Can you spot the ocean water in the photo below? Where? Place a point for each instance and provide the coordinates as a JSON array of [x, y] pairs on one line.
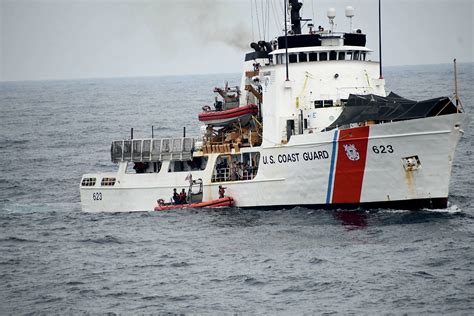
[[54, 259]]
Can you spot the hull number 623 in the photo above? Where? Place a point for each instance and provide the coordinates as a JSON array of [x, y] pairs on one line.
[[382, 149]]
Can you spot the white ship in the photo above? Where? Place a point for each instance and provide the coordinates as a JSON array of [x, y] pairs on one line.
[[311, 125]]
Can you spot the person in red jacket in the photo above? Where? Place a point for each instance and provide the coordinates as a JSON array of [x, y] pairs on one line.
[[182, 197], [221, 191]]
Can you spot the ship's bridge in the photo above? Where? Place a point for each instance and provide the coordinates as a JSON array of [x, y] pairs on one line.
[[320, 53]]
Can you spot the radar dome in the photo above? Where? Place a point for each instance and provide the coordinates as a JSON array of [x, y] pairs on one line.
[[349, 11], [331, 13]]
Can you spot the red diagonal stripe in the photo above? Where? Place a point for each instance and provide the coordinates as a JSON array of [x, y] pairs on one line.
[[349, 173]]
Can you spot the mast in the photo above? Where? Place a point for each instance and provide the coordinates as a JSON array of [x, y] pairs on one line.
[[295, 21], [295, 16], [380, 40], [459, 106], [456, 96], [286, 43]]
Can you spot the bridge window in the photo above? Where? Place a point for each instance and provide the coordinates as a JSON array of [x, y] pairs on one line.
[[278, 59], [292, 58], [356, 55], [315, 56], [302, 57]]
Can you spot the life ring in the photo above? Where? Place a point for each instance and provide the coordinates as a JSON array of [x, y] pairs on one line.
[[161, 202]]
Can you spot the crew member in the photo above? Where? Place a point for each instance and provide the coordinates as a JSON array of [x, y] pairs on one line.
[[175, 196], [140, 167], [182, 196], [234, 171], [221, 191]]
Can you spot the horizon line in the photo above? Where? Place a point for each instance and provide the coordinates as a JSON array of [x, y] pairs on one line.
[[186, 74]]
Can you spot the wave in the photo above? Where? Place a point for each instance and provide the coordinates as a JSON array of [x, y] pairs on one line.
[[10, 262], [153, 297], [423, 274], [122, 294], [16, 239], [253, 281], [108, 239], [11, 142], [75, 283], [181, 264], [183, 298], [316, 260]]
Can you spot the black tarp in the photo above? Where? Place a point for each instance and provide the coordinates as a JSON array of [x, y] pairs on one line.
[[354, 39], [370, 107]]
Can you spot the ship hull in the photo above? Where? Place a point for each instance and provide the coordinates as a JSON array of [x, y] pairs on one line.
[[419, 204], [402, 165]]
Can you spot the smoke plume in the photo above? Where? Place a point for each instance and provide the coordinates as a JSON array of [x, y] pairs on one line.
[[206, 22]]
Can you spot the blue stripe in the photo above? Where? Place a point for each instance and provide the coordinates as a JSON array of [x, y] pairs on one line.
[[331, 169]]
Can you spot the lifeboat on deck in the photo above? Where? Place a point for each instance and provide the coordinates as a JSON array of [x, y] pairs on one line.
[[225, 117], [222, 202]]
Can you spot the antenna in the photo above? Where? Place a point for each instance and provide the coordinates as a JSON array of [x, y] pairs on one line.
[[459, 106], [286, 43], [456, 96], [331, 16], [350, 15]]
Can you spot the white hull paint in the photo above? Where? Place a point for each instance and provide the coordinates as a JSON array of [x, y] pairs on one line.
[[305, 171]]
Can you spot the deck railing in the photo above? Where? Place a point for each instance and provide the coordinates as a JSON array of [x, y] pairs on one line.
[[234, 174], [152, 149]]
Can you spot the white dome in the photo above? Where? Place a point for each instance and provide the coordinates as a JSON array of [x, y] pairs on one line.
[[349, 11], [331, 13]]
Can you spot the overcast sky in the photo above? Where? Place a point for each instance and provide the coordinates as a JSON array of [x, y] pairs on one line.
[[56, 39]]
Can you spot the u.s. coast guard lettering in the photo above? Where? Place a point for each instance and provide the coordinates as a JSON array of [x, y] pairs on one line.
[[295, 157]]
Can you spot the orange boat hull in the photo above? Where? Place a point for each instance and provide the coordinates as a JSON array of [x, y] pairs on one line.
[[223, 202], [227, 116]]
